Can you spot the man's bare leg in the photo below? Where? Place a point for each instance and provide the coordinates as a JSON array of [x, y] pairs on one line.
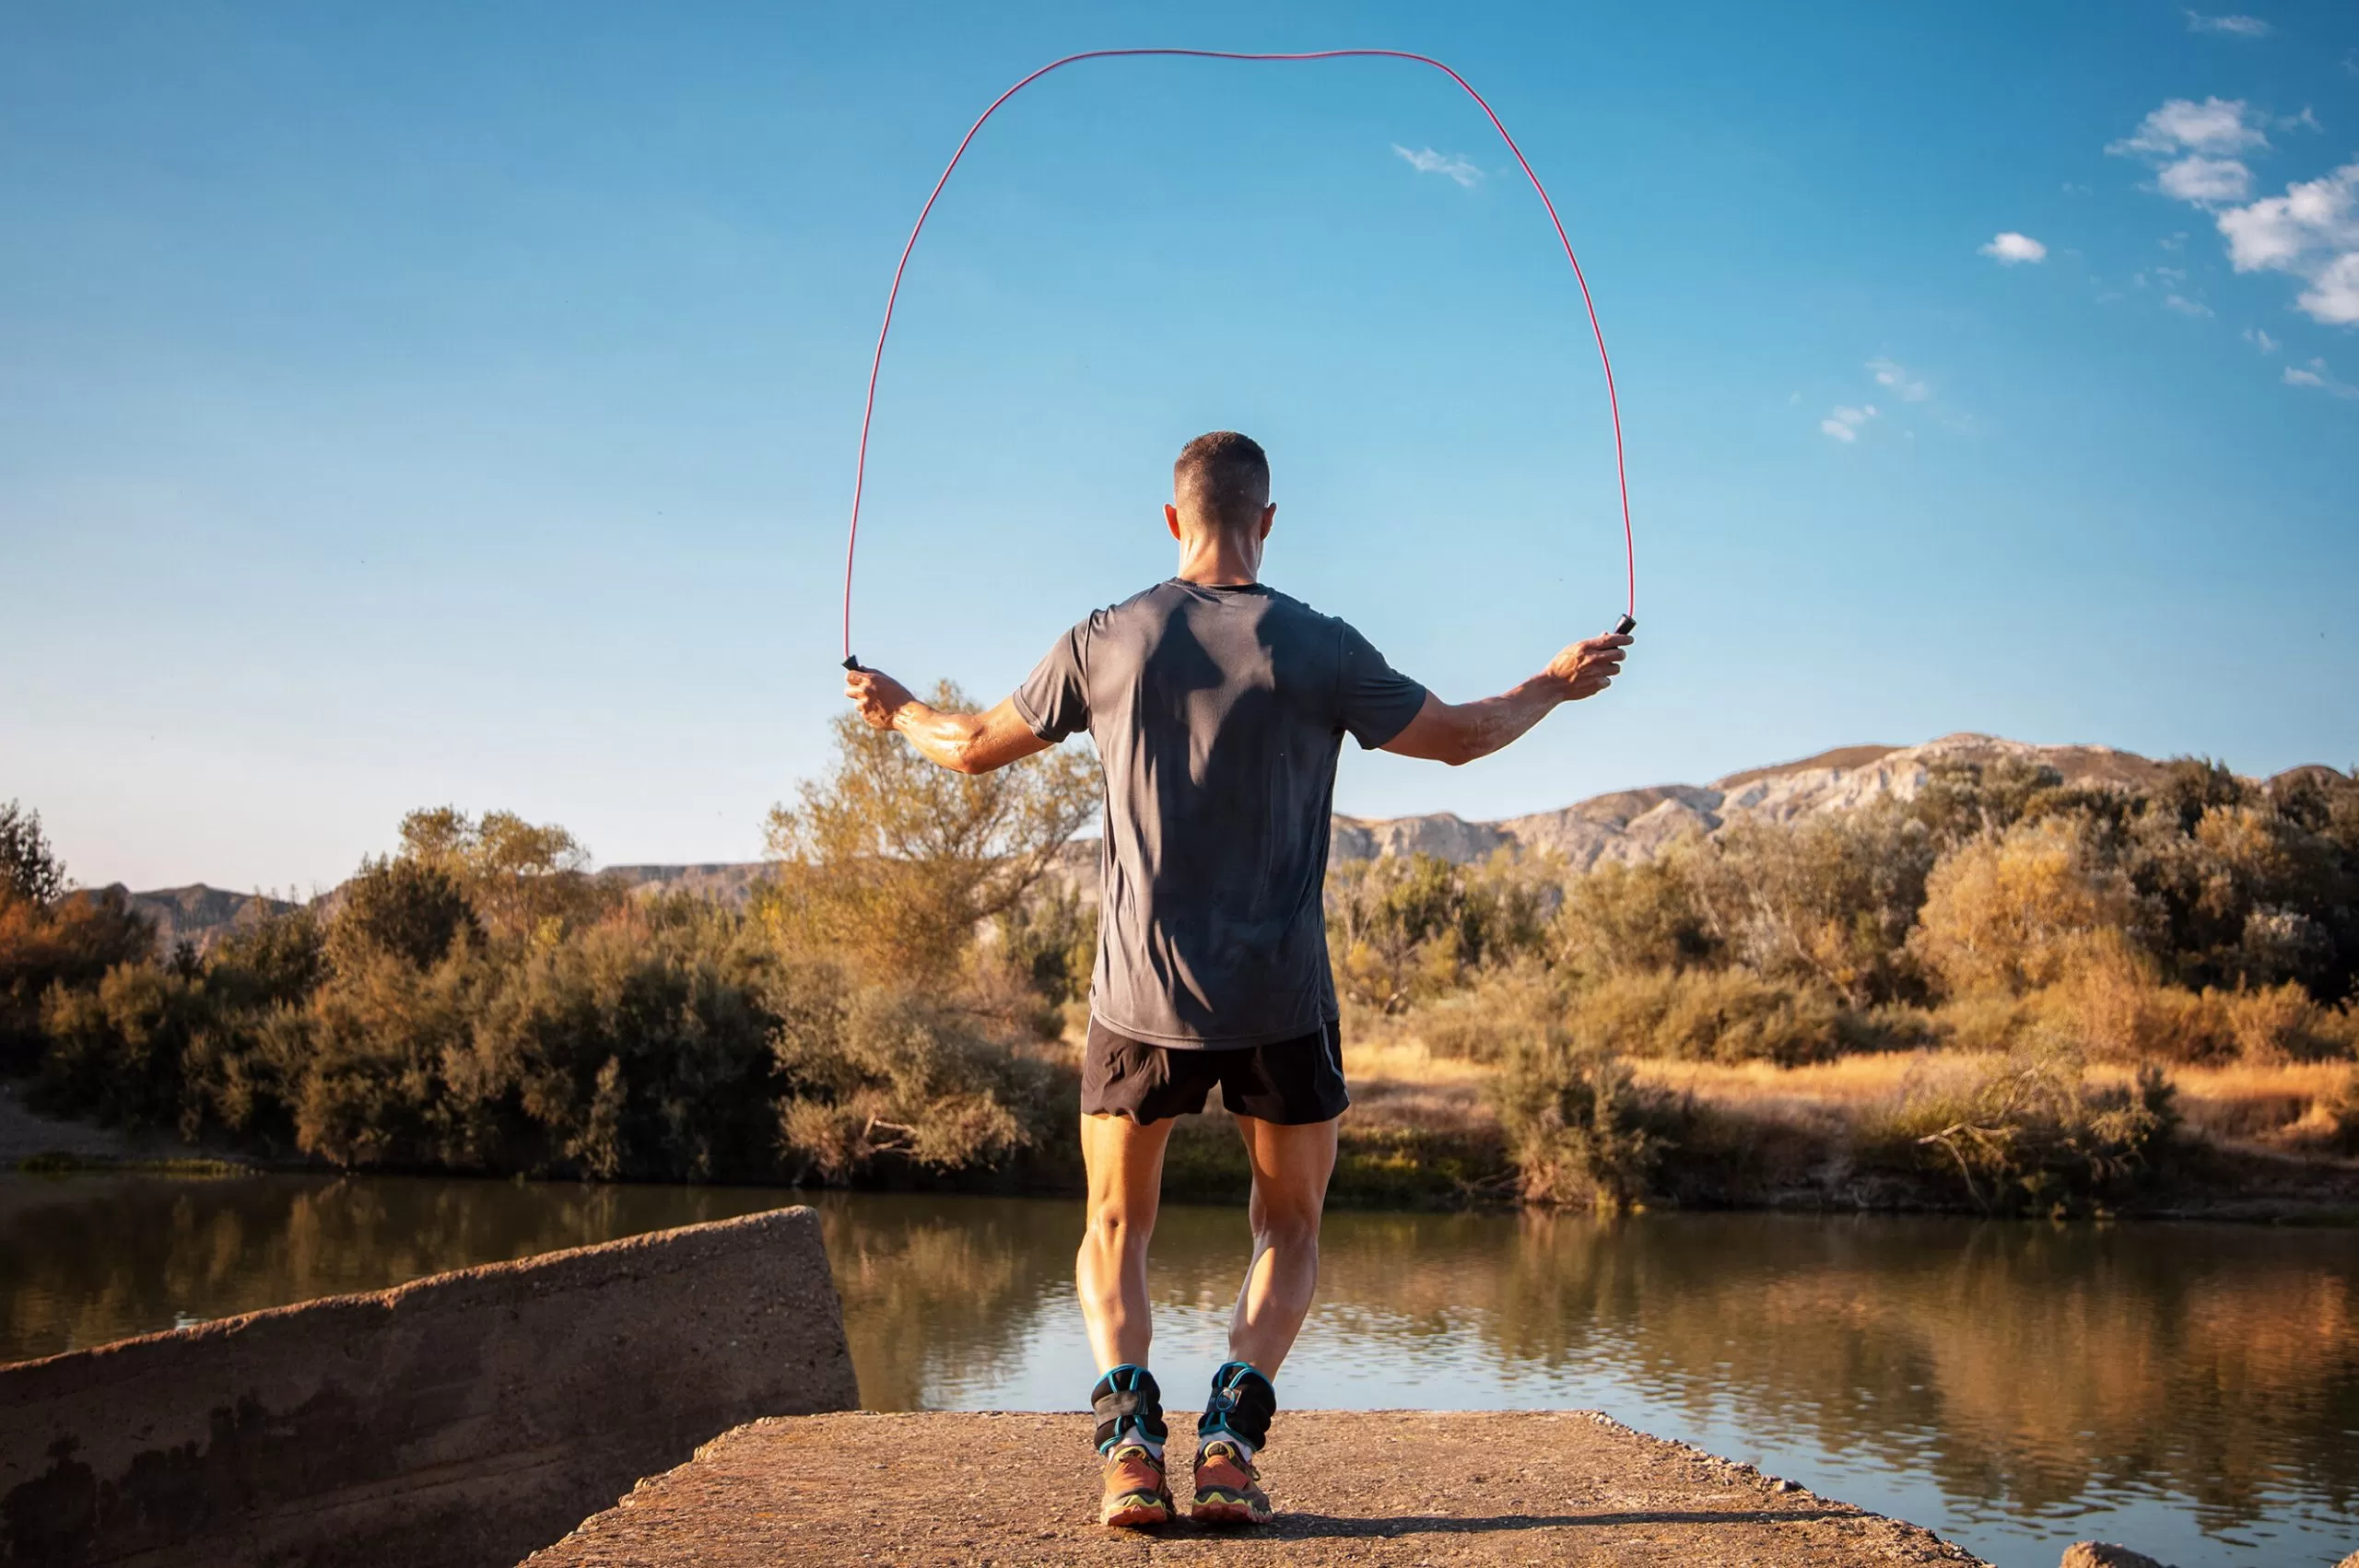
[[1291, 1165], [1125, 1162]]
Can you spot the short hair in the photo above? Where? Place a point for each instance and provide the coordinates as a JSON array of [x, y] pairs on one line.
[[1223, 478]]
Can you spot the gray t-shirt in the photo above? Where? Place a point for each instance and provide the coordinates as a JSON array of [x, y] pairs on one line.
[[1219, 714]]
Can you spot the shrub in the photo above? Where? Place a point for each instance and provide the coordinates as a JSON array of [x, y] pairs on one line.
[[372, 1090], [1050, 941], [405, 909], [70, 944], [1727, 1015], [1828, 900], [1619, 920], [2342, 1111], [116, 1053], [639, 1049], [2028, 1132], [1581, 1130], [874, 1075], [1478, 1024], [2011, 914]]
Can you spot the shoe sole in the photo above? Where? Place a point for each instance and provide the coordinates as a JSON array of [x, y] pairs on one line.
[[1134, 1512], [1219, 1508]]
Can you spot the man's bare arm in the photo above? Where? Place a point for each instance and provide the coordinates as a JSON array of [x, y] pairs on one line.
[[1458, 732], [962, 743]]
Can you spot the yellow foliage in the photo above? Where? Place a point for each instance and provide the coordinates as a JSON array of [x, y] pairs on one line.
[[2012, 914]]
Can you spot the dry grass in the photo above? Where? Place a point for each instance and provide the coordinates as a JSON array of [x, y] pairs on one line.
[[1396, 1080]]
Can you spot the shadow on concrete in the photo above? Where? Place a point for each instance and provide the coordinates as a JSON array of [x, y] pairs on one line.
[[1319, 1527]]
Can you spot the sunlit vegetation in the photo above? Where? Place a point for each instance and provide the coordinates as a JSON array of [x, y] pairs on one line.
[[477, 1000], [2046, 956], [2006, 994]]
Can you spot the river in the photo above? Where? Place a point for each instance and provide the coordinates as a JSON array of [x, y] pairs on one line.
[[2190, 1390]]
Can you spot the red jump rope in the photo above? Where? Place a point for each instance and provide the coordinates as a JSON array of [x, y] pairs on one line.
[[868, 411]]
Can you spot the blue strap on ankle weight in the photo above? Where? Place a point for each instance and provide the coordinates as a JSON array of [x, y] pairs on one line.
[[1128, 1404], [1241, 1405]]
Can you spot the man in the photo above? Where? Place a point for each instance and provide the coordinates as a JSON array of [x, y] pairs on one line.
[[1219, 707]]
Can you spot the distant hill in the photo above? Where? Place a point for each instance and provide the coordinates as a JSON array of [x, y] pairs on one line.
[[1625, 825], [1635, 825], [199, 914]]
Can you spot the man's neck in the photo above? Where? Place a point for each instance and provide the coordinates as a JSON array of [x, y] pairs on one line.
[[1219, 564]]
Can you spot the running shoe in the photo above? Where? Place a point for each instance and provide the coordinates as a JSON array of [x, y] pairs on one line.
[[1228, 1489], [1137, 1492]]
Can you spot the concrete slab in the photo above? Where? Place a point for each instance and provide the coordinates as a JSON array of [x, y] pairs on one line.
[[457, 1421], [1387, 1488]]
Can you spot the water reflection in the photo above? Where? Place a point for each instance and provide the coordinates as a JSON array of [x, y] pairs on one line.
[[2193, 1390]]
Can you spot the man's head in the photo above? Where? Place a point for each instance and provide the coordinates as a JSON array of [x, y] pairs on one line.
[[1220, 483]]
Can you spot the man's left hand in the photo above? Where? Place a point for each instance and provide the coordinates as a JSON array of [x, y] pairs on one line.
[[877, 695]]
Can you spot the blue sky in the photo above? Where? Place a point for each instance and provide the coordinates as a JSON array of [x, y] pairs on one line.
[[445, 402]]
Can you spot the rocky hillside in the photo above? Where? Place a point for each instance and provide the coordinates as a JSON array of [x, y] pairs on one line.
[[1635, 825], [1627, 826]]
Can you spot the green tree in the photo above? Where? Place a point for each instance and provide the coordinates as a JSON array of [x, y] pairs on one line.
[[407, 909], [896, 861], [518, 876], [29, 869]]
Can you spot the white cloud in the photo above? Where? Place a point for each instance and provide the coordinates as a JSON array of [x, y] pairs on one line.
[[2310, 232], [2205, 180], [2261, 340], [2011, 248], [1905, 387], [2318, 377], [2307, 120], [2185, 306], [1844, 423], [1452, 165], [2239, 27], [2217, 126]]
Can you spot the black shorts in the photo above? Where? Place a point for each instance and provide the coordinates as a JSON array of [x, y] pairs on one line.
[[1293, 1083]]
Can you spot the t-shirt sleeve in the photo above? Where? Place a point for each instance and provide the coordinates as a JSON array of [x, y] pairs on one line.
[[1054, 699], [1377, 701]]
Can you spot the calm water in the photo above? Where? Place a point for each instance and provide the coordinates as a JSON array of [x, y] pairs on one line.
[[2192, 1390]]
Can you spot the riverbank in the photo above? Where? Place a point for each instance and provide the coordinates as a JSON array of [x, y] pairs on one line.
[[1382, 1487], [1423, 1133]]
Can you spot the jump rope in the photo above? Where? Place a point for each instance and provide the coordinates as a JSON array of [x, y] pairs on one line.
[[877, 364]]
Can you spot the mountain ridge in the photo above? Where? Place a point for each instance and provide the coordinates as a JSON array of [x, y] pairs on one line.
[[1619, 827]]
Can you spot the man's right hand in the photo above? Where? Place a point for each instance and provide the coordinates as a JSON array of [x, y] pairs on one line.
[[877, 695], [1587, 668]]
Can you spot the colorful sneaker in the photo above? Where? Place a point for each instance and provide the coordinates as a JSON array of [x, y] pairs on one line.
[[1137, 1492], [1131, 1433], [1228, 1489]]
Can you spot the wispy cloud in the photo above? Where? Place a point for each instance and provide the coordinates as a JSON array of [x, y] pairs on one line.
[[2312, 233], [2318, 377], [2185, 306], [2238, 27], [1904, 386], [2205, 182], [1844, 423], [1452, 166], [2216, 127], [2261, 340], [2009, 249]]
